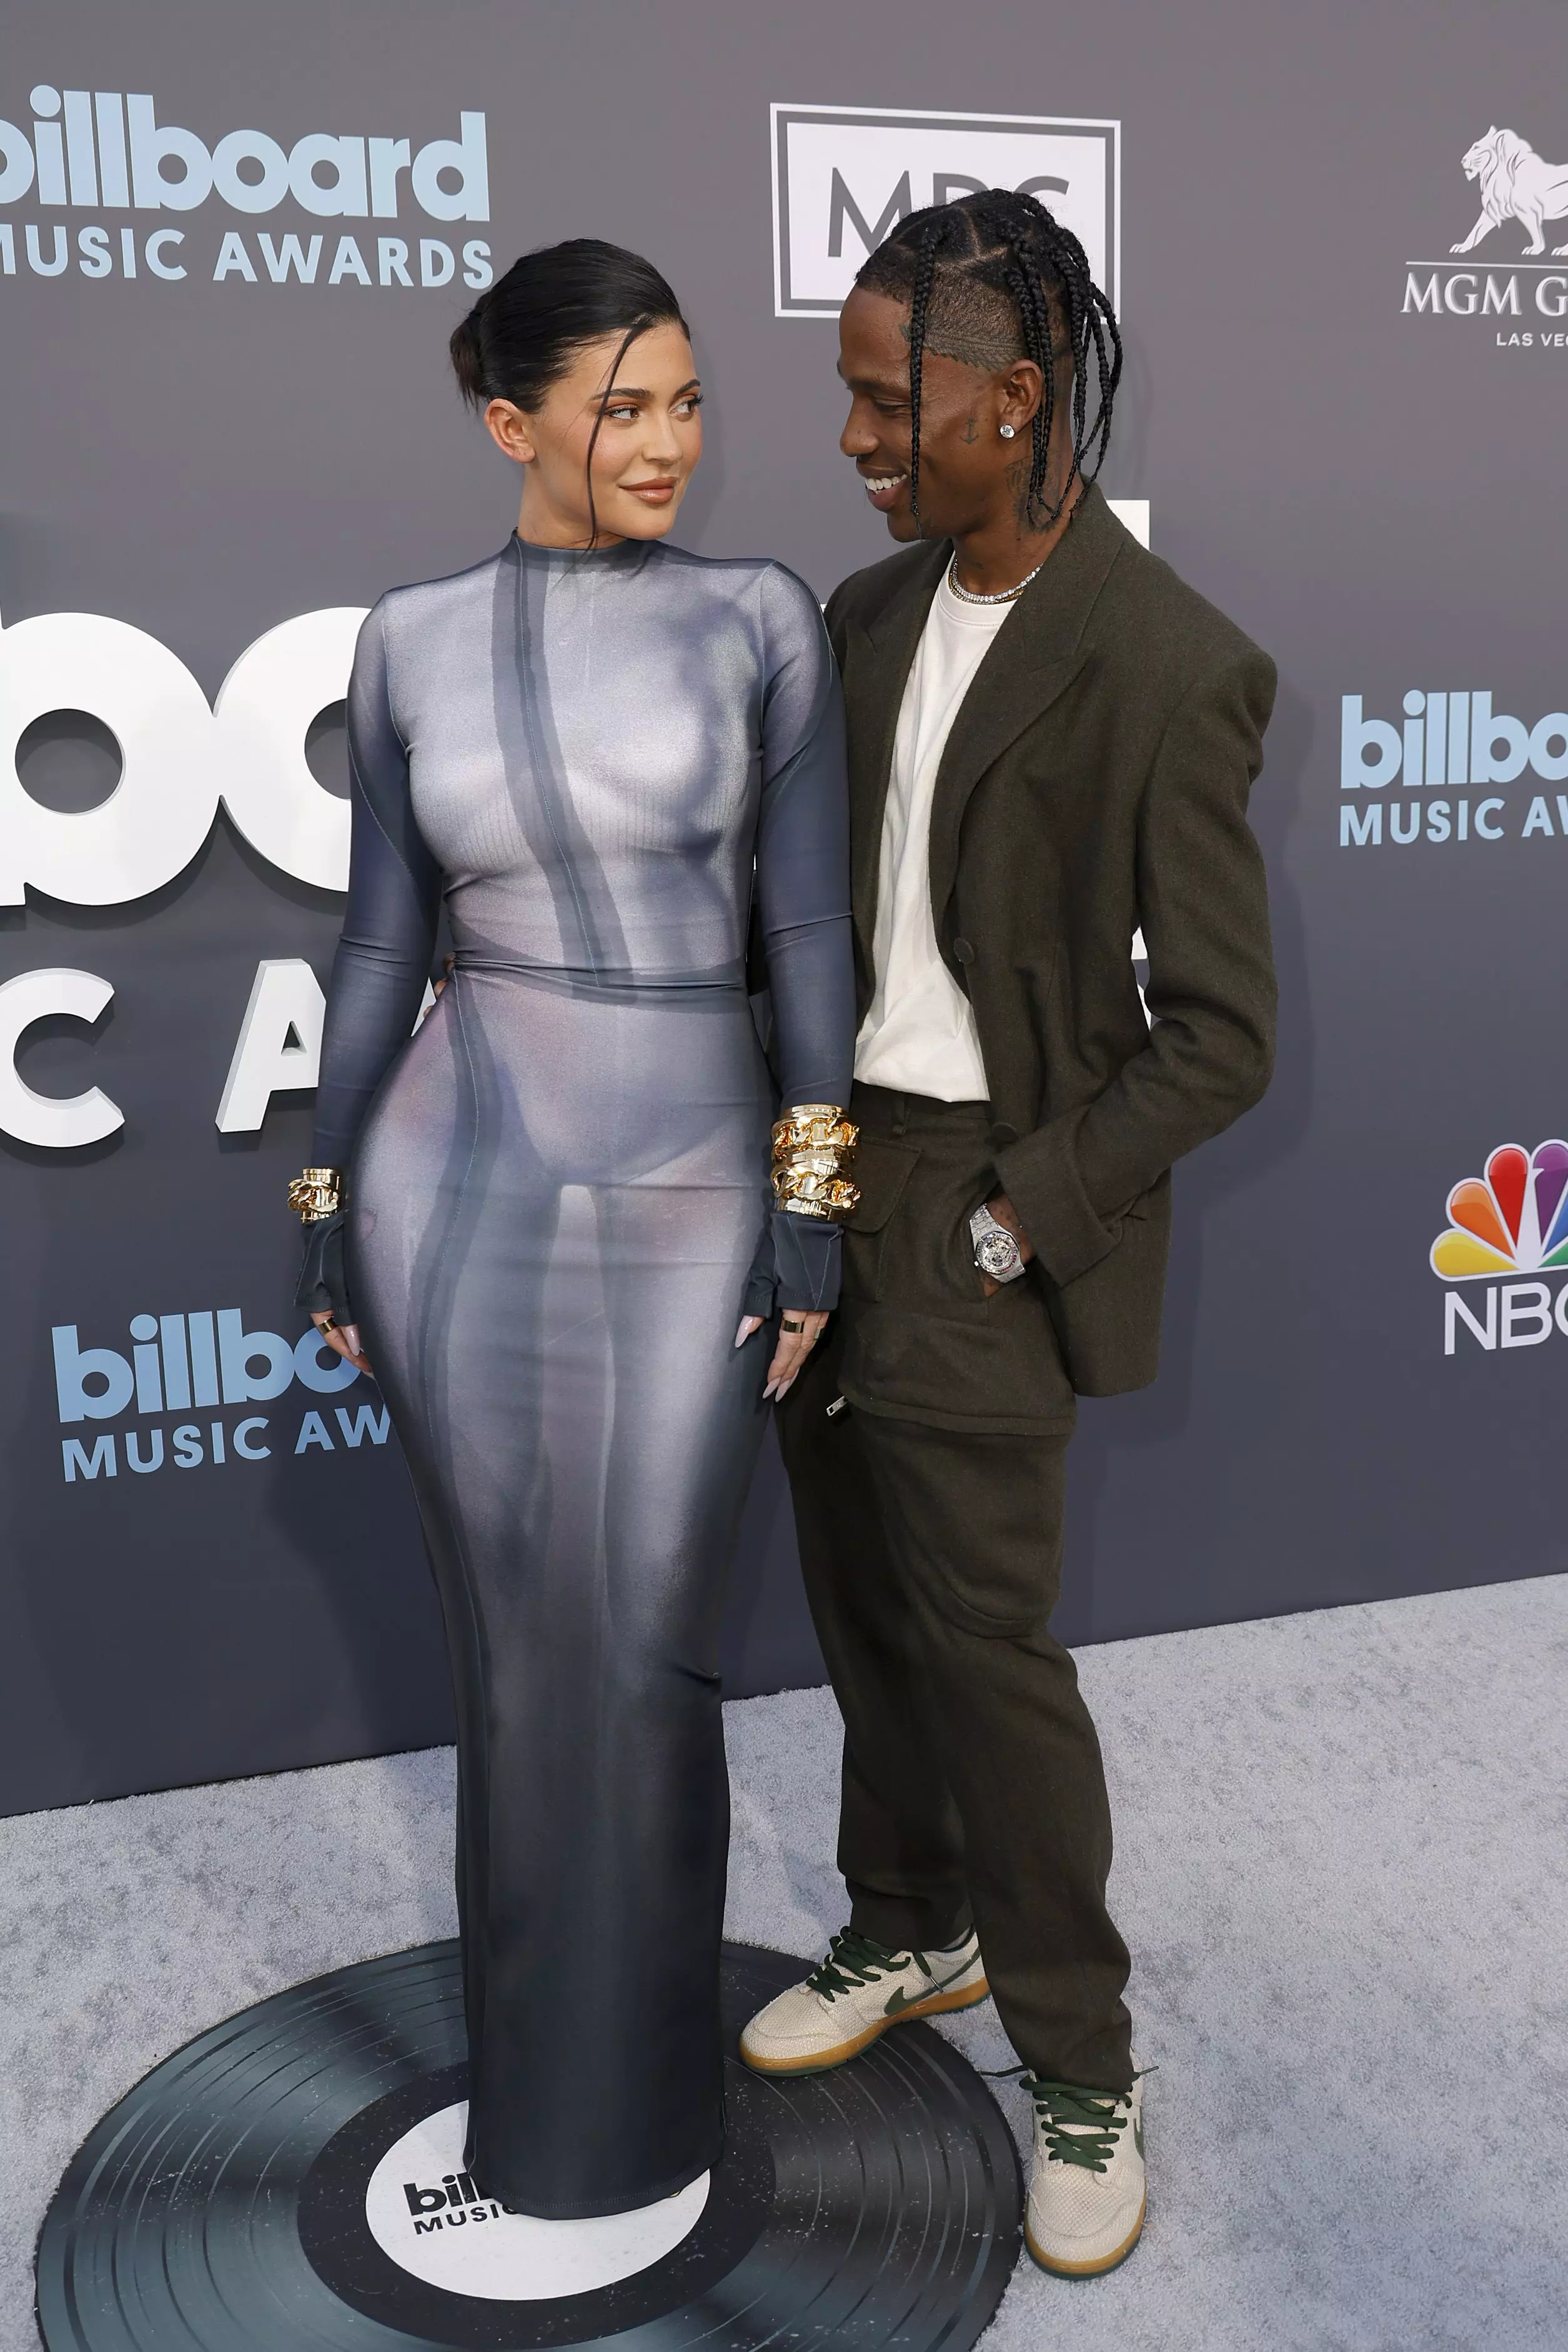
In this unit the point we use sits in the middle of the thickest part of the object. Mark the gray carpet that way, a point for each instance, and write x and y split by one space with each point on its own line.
1340 1865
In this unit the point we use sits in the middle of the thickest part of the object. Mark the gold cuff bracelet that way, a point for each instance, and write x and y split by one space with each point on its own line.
316 1193
814 1126
812 1150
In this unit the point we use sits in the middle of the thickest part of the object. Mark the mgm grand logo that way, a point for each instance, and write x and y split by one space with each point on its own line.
1524 301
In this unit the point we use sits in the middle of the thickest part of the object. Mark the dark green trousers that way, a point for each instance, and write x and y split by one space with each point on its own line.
973 1787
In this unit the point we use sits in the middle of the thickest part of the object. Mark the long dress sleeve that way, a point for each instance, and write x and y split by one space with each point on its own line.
803 901
383 951
389 927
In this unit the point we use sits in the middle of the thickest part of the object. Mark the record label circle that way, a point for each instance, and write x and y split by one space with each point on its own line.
222 2205
425 2212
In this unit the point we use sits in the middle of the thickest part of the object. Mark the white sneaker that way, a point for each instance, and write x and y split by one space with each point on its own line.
858 1992
1086 2195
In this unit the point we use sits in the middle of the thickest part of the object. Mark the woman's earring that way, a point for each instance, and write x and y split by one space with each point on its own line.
1007 432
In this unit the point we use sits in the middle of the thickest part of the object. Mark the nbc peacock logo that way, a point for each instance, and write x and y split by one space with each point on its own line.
1509 1223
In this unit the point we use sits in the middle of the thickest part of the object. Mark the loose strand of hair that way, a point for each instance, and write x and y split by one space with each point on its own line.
638 327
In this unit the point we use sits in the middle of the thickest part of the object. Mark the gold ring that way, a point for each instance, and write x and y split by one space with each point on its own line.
327 1324
785 1325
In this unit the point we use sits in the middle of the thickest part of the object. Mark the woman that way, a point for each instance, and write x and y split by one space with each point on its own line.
601 755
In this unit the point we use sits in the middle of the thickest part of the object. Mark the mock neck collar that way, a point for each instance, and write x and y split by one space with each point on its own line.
627 555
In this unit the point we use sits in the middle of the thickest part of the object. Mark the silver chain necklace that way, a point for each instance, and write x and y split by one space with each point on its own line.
1006 596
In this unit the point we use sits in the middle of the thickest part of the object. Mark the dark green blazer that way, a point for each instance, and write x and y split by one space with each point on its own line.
1095 781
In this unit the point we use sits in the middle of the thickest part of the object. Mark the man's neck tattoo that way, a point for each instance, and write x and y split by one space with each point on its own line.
1018 474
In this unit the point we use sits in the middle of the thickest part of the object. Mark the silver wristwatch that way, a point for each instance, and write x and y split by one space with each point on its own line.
997 1252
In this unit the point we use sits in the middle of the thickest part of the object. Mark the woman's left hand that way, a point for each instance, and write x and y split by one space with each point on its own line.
799 1333
343 1338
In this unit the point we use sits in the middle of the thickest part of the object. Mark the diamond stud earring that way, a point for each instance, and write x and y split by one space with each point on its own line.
1007 432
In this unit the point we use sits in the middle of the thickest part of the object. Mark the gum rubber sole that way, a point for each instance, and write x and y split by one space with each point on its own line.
825 2061
1088 2270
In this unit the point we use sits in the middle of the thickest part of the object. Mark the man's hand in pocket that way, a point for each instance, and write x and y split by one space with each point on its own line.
1002 1209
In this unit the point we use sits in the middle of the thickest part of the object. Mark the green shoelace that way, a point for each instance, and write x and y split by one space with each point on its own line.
854 1961
1078 2126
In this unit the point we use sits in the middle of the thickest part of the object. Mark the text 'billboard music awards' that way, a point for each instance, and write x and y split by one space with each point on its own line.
106 153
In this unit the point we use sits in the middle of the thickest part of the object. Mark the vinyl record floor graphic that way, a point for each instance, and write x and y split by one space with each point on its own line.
292 2182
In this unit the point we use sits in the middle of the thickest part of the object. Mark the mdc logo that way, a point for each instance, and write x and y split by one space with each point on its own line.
1513 1220
844 177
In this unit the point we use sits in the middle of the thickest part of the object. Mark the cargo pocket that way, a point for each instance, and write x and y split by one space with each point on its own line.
881 1169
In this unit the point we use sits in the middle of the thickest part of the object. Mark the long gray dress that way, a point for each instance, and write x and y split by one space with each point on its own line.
605 764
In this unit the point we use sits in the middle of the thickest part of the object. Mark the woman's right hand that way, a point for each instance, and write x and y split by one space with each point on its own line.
798 1332
343 1338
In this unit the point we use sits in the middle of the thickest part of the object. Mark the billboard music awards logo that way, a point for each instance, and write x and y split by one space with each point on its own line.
843 177
105 153
423 2209
196 1363
1524 302
1510 1221
1446 755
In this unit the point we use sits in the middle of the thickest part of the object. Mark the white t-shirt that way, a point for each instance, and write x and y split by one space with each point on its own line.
918 1036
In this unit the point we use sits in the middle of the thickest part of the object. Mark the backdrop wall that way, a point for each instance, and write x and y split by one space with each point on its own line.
232 243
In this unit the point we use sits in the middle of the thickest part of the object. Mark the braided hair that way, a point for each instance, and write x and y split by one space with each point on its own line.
985 279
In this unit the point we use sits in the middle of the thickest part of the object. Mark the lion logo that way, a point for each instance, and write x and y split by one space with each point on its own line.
1515 182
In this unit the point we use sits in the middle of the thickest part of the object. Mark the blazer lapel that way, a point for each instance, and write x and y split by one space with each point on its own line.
874 692
1032 659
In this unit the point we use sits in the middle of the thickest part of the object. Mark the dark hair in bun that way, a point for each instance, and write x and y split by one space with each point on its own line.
522 335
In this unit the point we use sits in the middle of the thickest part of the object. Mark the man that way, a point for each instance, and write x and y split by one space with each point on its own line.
1051 745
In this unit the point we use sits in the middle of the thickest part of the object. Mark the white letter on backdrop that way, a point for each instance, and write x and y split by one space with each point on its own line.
156 819
264 712
178 755
54 1123
286 996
